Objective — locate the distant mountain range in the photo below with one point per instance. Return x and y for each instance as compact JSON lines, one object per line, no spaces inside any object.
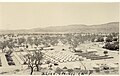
{"x":100,"y":28}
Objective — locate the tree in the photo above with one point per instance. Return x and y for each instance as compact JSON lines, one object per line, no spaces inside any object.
{"x":109,"y":39}
{"x":9,"y":52}
{"x":48,"y":62}
{"x":3,"y":45}
{"x":58,"y":70}
{"x":30,"y":62}
{"x":115,"y":39}
{"x":70,"y":70}
{"x":33,"y":60}
{"x":38,"y":57}
{"x":10,"y":45}
{"x":21,"y":40}
{"x":114,"y":34}
{"x":93,"y":39}
{"x":114,"y":46}
{"x":30,"y":41}
{"x":36,"y":42}
{"x":105,"y":52}
{"x":100,"y":39}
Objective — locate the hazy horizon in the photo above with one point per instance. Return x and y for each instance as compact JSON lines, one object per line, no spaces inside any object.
{"x":32,"y":15}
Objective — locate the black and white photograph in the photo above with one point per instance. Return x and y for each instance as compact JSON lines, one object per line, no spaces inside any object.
{"x":59,"y":38}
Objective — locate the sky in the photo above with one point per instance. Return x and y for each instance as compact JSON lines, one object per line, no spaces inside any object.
{"x":35,"y":15}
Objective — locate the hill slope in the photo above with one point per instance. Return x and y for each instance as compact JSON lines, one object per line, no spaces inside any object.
{"x":101,"y":28}
{"x":108,"y":27}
